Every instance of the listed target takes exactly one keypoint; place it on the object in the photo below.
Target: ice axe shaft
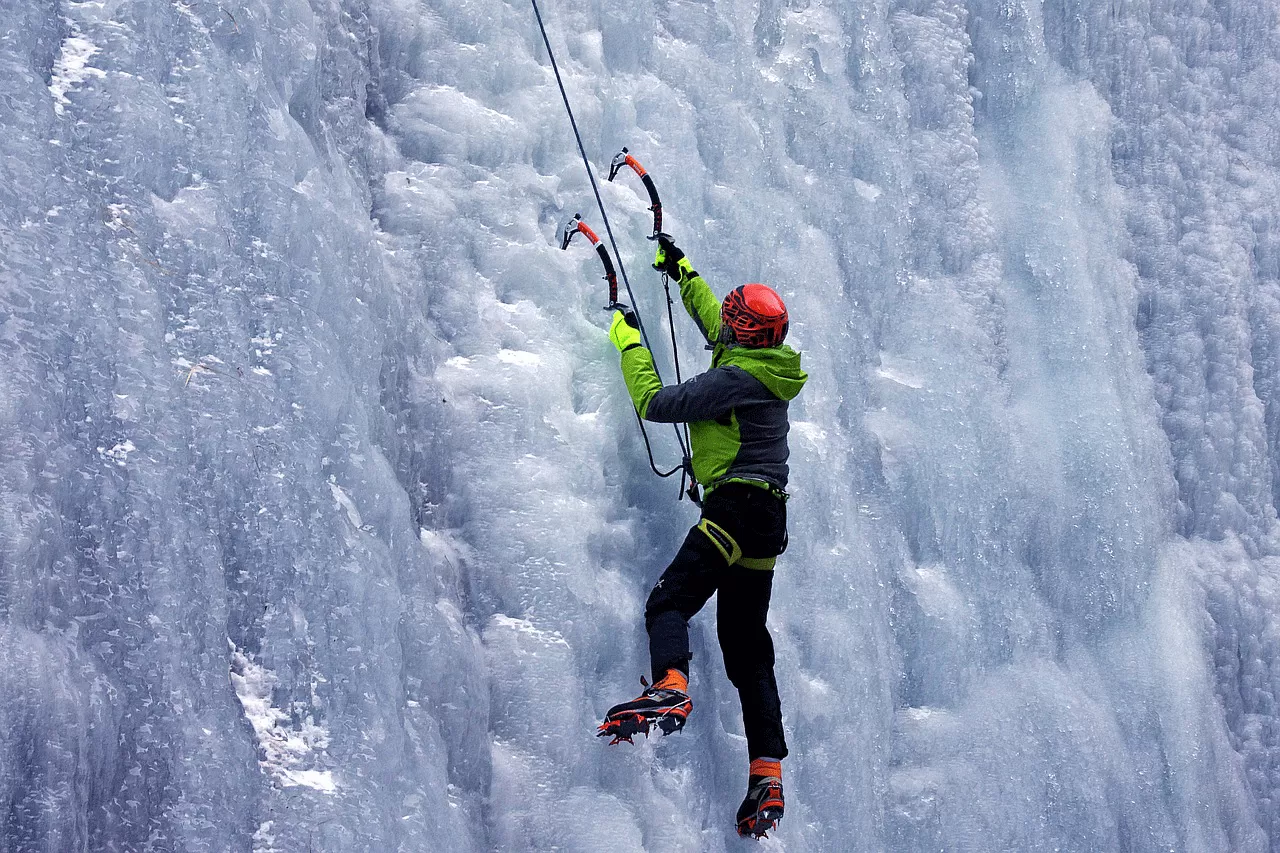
(624, 158)
(577, 226)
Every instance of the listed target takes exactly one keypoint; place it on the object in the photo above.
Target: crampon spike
(624, 728)
(768, 811)
(757, 828)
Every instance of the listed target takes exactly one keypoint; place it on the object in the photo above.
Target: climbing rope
(685, 465)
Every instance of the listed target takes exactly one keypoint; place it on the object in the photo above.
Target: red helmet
(756, 316)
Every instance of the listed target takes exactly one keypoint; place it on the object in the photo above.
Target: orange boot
(665, 704)
(762, 808)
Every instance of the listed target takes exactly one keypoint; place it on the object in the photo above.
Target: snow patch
(72, 67)
(810, 431)
(867, 191)
(524, 626)
(895, 370)
(892, 432)
(287, 754)
(935, 592)
(348, 506)
(811, 437)
(263, 840)
(520, 358)
(443, 544)
(118, 454)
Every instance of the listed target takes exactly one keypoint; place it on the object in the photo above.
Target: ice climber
(737, 417)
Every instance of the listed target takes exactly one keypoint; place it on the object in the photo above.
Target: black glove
(668, 258)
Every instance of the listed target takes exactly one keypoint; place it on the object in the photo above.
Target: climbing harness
(578, 226)
(731, 550)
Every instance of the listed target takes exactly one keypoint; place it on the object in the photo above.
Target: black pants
(757, 520)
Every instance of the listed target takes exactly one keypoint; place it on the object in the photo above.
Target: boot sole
(630, 723)
(759, 827)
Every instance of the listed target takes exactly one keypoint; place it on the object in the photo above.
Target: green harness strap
(780, 494)
(730, 549)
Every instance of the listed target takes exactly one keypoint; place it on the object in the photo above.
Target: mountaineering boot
(761, 809)
(665, 704)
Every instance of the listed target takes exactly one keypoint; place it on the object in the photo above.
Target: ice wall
(324, 522)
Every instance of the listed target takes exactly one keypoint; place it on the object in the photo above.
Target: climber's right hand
(668, 258)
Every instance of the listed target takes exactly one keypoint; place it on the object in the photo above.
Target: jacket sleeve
(699, 301)
(641, 377)
(705, 397)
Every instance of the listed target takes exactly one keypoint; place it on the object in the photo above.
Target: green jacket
(736, 411)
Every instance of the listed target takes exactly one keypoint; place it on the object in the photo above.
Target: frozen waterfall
(325, 524)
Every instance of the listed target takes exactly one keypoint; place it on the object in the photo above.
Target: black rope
(680, 438)
(649, 448)
(675, 350)
(590, 174)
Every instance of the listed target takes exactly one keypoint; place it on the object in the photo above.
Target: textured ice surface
(324, 522)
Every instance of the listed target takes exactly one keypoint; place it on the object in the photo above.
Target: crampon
(762, 808)
(665, 707)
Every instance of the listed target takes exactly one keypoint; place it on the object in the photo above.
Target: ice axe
(577, 226)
